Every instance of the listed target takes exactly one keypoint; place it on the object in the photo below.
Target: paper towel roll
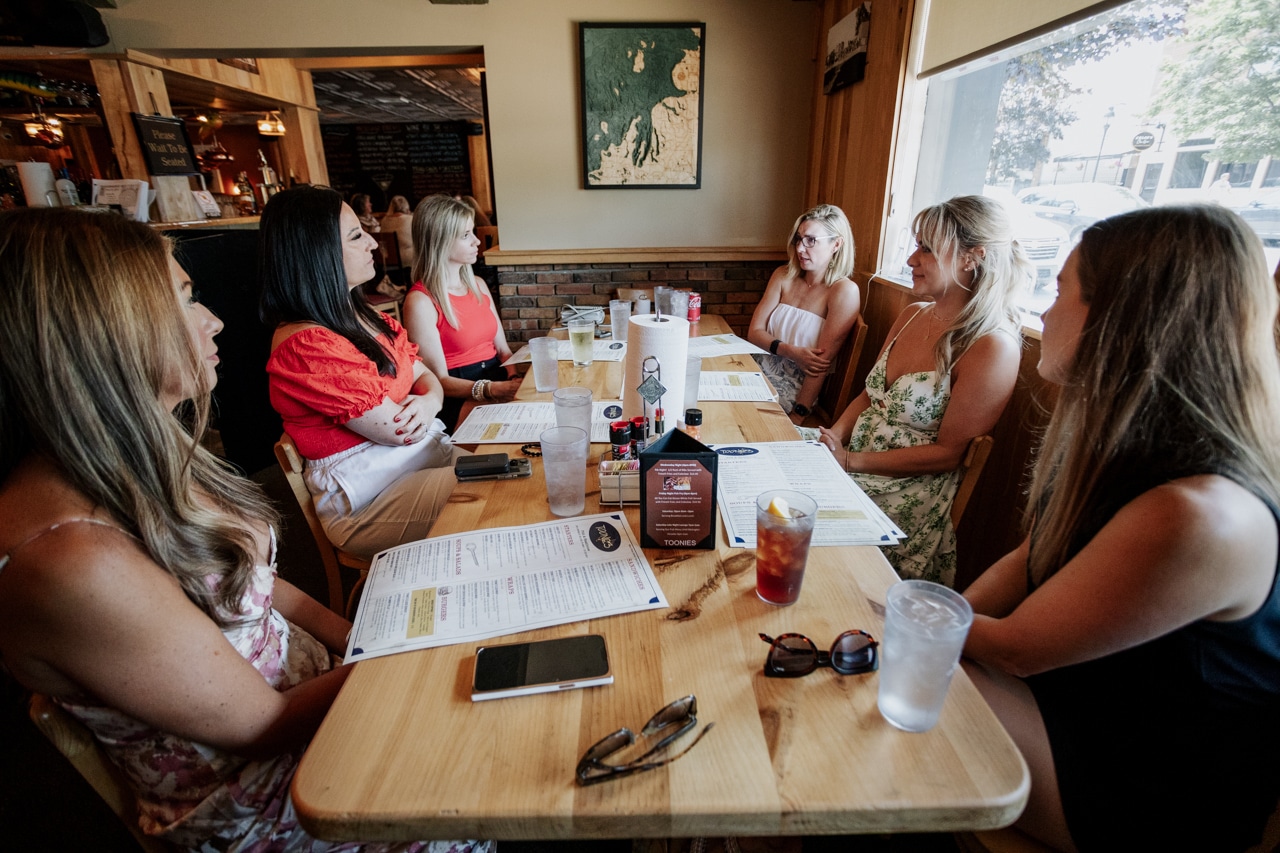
(37, 184)
(667, 340)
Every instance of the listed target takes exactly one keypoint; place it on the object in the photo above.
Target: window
(1093, 120)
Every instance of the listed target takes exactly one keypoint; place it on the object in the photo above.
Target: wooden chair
(488, 235)
(841, 381)
(974, 458)
(76, 743)
(631, 294)
(333, 558)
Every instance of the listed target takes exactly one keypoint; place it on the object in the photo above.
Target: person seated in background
(347, 381)
(1141, 615)
(450, 314)
(944, 376)
(137, 578)
(808, 309)
(481, 221)
(362, 204)
(399, 221)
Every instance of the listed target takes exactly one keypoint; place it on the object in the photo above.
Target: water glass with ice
(925, 626)
(573, 407)
(662, 299)
(546, 369)
(692, 376)
(680, 304)
(564, 462)
(619, 318)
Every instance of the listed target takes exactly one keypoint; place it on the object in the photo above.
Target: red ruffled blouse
(318, 381)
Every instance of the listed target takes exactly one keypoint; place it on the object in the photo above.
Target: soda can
(695, 306)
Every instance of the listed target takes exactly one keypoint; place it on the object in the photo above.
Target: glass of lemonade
(925, 626)
(784, 527)
(582, 334)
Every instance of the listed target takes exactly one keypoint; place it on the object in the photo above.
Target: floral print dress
(202, 798)
(908, 413)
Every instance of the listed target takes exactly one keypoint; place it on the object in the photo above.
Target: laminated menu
(488, 583)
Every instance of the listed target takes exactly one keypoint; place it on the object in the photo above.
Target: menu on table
(489, 583)
(520, 423)
(709, 346)
(734, 386)
(846, 516)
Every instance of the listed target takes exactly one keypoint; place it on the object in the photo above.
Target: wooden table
(404, 753)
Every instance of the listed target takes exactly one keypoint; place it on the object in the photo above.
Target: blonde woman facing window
(449, 313)
(943, 377)
(808, 309)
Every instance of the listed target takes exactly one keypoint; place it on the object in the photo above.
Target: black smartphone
(545, 666)
(490, 466)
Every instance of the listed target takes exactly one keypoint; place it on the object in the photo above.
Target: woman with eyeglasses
(943, 377)
(138, 586)
(808, 309)
(347, 381)
(1141, 615)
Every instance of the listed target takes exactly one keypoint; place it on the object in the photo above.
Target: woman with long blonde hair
(944, 376)
(137, 577)
(449, 312)
(1142, 611)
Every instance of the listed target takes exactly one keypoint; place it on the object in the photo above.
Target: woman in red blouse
(354, 396)
(449, 313)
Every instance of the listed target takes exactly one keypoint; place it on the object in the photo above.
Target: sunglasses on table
(794, 655)
(670, 722)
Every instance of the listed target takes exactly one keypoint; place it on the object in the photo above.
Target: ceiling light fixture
(271, 125)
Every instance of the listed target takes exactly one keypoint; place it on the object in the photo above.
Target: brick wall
(529, 297)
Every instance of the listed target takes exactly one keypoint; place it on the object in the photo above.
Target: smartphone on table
(543, 666)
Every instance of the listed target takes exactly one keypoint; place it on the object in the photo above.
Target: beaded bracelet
(478, 390)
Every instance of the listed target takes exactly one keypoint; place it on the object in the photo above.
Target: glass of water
(925, 626)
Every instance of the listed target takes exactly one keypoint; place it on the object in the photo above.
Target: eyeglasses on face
(794, 655)
(809, 242)
(675, 719)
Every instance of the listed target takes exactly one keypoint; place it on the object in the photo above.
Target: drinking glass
(662, 299)
(581, 335)
(782, 544)
(692, 376)
(619, 317)
(573, 407)
(564, 462)
(546, 368)
(925, 626)
(680, 304)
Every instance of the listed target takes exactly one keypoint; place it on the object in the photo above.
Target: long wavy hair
(952, 230)
(438, 221)
(92, 329)
(834, 220)
(303, 278)
(1175, 370)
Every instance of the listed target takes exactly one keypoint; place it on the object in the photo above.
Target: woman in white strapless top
(808, 309)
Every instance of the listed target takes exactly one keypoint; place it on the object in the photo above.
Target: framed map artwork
(642, 105)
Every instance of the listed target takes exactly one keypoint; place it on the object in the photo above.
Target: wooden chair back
(488, 235)
(389, 243)
(631, 294)
(975, 457)
(291, 463)
(78, 746)
(839, 390)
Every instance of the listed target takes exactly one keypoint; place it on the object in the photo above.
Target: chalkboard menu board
(412, 160)
(165, 145)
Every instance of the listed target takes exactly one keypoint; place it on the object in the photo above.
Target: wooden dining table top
(405, 754)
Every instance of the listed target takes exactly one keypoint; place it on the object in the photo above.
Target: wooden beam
(344, 63)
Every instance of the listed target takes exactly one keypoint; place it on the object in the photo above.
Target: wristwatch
(801, 409)
(773, 347)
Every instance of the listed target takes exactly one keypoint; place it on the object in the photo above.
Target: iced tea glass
(784, 527)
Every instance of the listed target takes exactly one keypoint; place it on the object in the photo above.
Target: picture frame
(641, 96)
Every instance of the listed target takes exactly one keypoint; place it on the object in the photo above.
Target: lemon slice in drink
(779, 507)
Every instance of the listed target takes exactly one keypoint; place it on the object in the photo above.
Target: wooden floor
(46, 806)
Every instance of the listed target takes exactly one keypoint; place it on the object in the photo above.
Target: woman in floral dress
(944, 377)
(137, 579)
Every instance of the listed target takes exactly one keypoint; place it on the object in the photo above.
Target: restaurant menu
(489, 583)
(520, 423)
(601, 350)
(731, 385)
(709, 346)
(846, 516)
